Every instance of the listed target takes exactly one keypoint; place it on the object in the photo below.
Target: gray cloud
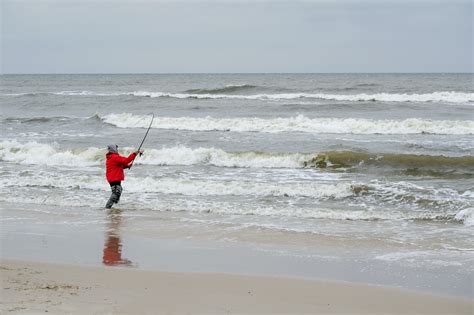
(236, 36)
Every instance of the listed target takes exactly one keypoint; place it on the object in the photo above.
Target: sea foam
(50, 154)
(298, 123)
(191, 187)
(47, 154)
(150, 186)
(181, 155)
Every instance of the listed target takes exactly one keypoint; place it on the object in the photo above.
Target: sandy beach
(30, 287)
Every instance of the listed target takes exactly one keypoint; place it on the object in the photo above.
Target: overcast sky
(146, 36)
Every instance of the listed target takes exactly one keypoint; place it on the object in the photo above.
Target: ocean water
(381, 164)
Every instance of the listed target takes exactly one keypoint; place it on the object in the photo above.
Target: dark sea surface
(379, 162)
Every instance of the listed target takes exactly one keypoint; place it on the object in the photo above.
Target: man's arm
(125, 161)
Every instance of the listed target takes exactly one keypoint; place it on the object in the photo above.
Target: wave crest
(298, 123)
(220, 93)
(466, 216)
(448, 97)
(28, 120)
(223, 90)
(44, 154)
(413, 162)
(47, 154)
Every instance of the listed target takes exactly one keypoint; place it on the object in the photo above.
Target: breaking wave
(45, 154)
(219, 93)
(417, 197)
(466, 216)
(298, 123)
(415, 165)
(88, 93)
(186, 156)
(448, 97)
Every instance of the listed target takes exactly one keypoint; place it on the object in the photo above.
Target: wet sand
(31, 287)
(89, 237)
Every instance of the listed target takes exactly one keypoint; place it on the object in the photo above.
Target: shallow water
(166, 242)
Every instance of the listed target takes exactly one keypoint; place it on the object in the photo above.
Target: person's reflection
(113, 246)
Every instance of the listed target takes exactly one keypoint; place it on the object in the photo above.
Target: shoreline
(34, 287)
(94, 238)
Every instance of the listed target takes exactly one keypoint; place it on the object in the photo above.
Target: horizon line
(219, 73)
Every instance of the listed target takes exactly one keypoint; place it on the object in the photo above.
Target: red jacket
(115, 164)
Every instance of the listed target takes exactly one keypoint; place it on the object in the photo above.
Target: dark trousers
(116, 188)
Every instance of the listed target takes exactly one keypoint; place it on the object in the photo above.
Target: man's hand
(139, 152)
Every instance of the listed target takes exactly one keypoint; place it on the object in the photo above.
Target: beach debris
(57, 287)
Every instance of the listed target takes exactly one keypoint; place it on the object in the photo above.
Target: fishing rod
(146, 134)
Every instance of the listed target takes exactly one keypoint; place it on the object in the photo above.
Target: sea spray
(466, 216)
(46, 154)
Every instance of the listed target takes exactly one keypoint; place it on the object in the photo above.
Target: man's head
(112, 148)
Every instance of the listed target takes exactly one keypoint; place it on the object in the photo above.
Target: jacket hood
(112, 148)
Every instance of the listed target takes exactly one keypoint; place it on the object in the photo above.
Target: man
(115, 164)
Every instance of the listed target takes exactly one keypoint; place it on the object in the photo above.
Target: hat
(112, 148)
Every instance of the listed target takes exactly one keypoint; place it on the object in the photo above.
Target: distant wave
(41, 119)
(298, 123)
(295, 124)
(95, 117)
(220, 93)
(48, 119)
(223, 90)
(67, 93)
(366, 85)
(27, 94)
(88, 93)
(448, 97)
